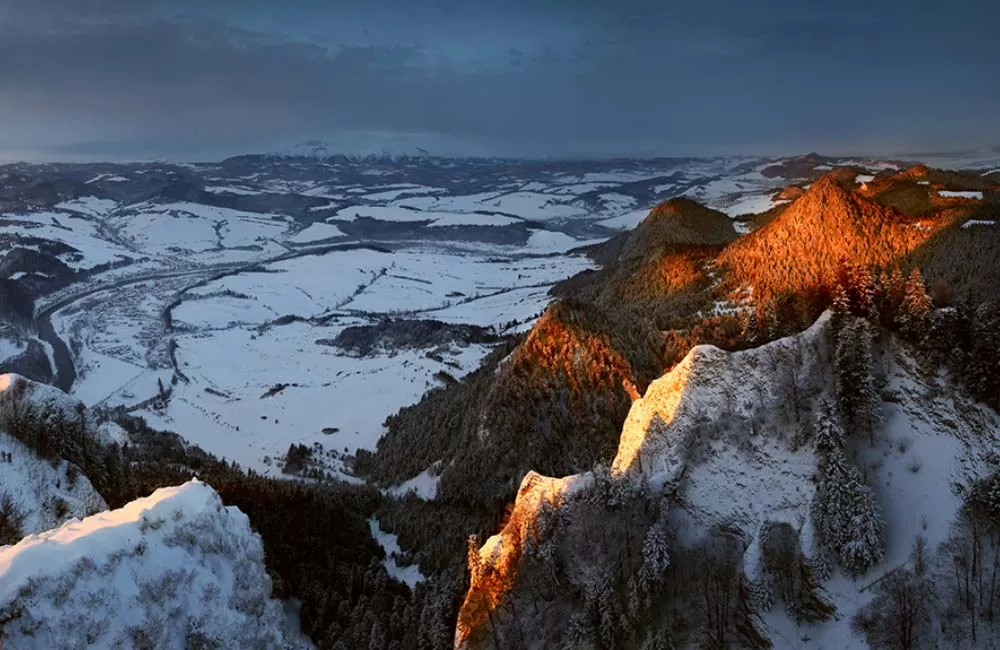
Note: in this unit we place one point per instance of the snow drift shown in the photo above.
(175, 570)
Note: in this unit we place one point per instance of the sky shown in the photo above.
(204, 79)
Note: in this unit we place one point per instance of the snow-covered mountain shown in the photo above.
(174, 570)
(726, 444)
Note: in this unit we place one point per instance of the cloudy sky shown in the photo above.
(200, 79)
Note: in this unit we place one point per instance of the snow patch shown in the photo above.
(961, 195)
(390, 544)
(423, 485)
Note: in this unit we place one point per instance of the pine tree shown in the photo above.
(982, 367)
(751, 332)
(863, 290)
(846, 515)
(865, 546)
(856, 395)
(829, 433)
(841, 308)
(916, 308)
(475, 560)
(655, 558)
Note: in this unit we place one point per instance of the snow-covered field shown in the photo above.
(232, 352)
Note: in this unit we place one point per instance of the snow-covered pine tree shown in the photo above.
(856, 395)
(841, 308)
(751, 330)
(863, 290)
(579, 634)
(897, 285)
(846, 515)
(982, 369)
(475, 561)
(916, 308)
(865, 546)
(655, 558)
(829, 432)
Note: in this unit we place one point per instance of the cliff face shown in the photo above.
(723, 448)
(174, 570)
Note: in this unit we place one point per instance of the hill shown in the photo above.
(679, 221)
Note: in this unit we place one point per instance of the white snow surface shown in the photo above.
(626, 221)
(390, 544)
(751, 204)
(316, 232)
(961, 195)
(11, 348)
(423, 485)
(172, 569)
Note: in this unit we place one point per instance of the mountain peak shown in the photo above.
(803, 247)
(679, 221)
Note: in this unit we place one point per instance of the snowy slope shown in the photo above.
(42, 396)
(44, 493)
(174, 570)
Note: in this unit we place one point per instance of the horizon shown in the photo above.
(898, 156)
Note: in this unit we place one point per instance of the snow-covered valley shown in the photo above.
(223, 295)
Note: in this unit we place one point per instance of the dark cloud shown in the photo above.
(120, 77)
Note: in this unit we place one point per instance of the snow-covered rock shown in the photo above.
(42, 396)
(176, 569)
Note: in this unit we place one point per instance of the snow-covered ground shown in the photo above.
(626, 221)
(70, 228)
(961, 195)
(423, 485)
(390, 544)
(752, 204)
(232, 352)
